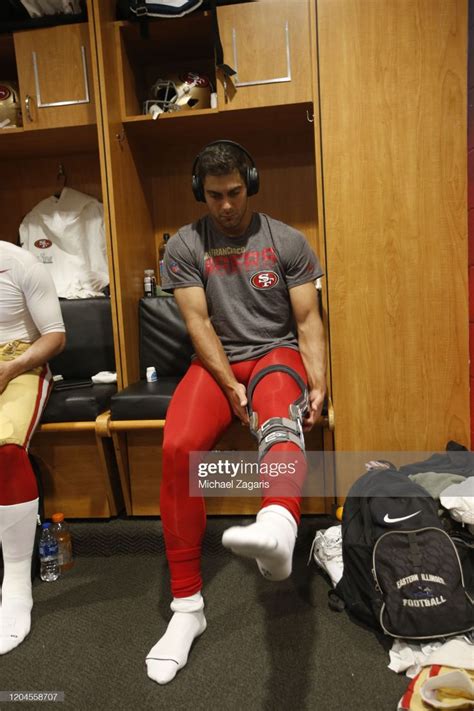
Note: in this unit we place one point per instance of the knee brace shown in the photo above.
(279, 429)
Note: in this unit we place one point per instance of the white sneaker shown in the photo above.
(327, 552)
(459, 500)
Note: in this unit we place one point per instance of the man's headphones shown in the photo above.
(252, 179)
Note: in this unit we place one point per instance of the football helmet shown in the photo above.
(180, 93)
(9, 104)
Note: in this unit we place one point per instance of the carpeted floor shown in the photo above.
(267, 647)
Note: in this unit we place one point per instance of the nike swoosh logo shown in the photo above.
(387, 518)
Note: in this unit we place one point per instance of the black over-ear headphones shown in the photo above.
(252, 178)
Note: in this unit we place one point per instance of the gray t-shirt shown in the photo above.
(246, 280)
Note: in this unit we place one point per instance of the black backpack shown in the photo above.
(162, 8)
(127, 9)
(402, 573)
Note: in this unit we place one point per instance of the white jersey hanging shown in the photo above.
(66, 233)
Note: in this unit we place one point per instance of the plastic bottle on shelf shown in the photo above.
(161, 254)
(48, 550)
(149, 282)
(151, 374)
(62, 534)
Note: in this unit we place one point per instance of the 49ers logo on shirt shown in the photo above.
(43, 243)
(264, 280)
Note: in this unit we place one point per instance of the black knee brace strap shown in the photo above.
(279, 429)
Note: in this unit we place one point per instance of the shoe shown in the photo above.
(327, 552)
(459, 500)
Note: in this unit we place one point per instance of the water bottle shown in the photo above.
(62, 534)
(48, 550)
(149, 282)
(151, 374)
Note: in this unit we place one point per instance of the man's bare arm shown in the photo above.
(193, 306)
(312, 345)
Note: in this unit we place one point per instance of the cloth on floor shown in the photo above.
(436, 482)
(439, 687)
(456, 652)
(411, 657)
(327, 552)
(451, 690)
(459, 500)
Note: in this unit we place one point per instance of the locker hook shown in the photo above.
(60, 180)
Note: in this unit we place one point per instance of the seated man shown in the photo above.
(31, 332)
(245, 285)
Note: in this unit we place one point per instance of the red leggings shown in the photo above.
(21, 406)
(197, 417)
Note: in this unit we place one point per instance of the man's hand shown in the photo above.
(6, 375)
(316, 401)
(38, 353)
(237, 396)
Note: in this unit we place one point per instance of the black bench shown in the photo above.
(89, 350)
(164, 343)
(73, 442)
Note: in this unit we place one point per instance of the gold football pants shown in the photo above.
(23, 400)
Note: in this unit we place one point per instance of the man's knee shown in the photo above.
(279, 429)
(176, 450)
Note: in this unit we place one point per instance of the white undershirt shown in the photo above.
(29, 306)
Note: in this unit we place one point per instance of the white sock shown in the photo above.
(170, 653)
(17, 534)
(270, 540)
(15, 623)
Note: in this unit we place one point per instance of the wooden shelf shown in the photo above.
(162, 54)
(16, 142)
(143, 118)
(210, 124)
(11, 131)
